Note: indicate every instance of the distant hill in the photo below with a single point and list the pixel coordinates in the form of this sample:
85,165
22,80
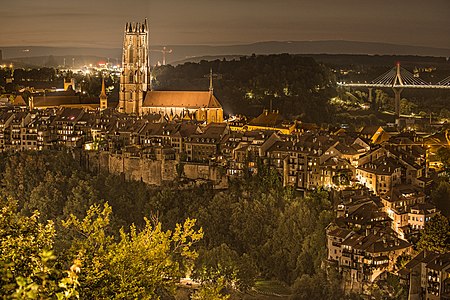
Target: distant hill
304,47
408,61
193,52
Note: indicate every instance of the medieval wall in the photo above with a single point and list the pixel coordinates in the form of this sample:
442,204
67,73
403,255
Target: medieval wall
153,172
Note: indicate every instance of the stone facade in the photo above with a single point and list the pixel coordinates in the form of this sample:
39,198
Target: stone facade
152,171
135,66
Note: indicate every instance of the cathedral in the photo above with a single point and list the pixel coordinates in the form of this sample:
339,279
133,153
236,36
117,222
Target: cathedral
136,96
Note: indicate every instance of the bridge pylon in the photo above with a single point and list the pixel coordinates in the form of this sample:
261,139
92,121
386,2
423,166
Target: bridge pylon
397,98
397,87
370,96
398,80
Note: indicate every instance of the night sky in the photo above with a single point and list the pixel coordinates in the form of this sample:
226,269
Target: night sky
99,23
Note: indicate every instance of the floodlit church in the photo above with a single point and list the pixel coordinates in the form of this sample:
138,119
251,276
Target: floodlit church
136,97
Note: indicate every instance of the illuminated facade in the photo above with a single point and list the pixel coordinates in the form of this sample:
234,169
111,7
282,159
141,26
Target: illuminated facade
135,67
137,98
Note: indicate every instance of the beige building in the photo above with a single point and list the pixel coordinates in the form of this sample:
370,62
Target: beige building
380,176
420,214
407,208
363,258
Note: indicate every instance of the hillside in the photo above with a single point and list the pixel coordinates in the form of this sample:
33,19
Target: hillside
183,52
296,86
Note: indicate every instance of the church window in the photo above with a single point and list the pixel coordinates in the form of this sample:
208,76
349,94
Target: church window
130,55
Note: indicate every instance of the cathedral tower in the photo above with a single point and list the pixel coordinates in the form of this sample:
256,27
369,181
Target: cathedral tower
135,68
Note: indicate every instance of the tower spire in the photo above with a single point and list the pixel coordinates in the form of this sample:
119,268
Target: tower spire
103,97
211,87
103,93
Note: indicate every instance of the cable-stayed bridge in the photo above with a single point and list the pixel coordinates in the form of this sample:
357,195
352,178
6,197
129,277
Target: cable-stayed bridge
398,78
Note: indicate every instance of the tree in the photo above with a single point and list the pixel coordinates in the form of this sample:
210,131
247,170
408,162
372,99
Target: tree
444,113
141,264
28,269
407,107
441,197
25,171
317,287
48,197
402,260
44,284
216,217
224,264
436,235
297,246
210,291
22,240
82,195
252,224
444,155
382,99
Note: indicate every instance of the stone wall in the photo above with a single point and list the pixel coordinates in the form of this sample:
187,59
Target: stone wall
154,172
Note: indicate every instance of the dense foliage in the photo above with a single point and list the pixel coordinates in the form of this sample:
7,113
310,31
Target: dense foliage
440,196
436,235
254,230
297,86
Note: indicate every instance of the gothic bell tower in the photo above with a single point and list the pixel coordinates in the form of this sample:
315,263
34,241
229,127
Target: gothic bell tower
135,68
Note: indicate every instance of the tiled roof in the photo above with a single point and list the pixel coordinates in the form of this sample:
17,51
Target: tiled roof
369,130
185,99
424,207
19,101
382,166
440,262
381,246
353,240
267,118
340,232
55,100
69,114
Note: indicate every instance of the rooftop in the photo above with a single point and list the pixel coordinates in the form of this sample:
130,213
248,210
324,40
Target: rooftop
185,99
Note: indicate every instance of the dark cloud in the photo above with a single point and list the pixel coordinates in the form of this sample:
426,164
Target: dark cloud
100,22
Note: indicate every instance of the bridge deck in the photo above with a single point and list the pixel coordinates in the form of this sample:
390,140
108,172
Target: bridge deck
377,85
